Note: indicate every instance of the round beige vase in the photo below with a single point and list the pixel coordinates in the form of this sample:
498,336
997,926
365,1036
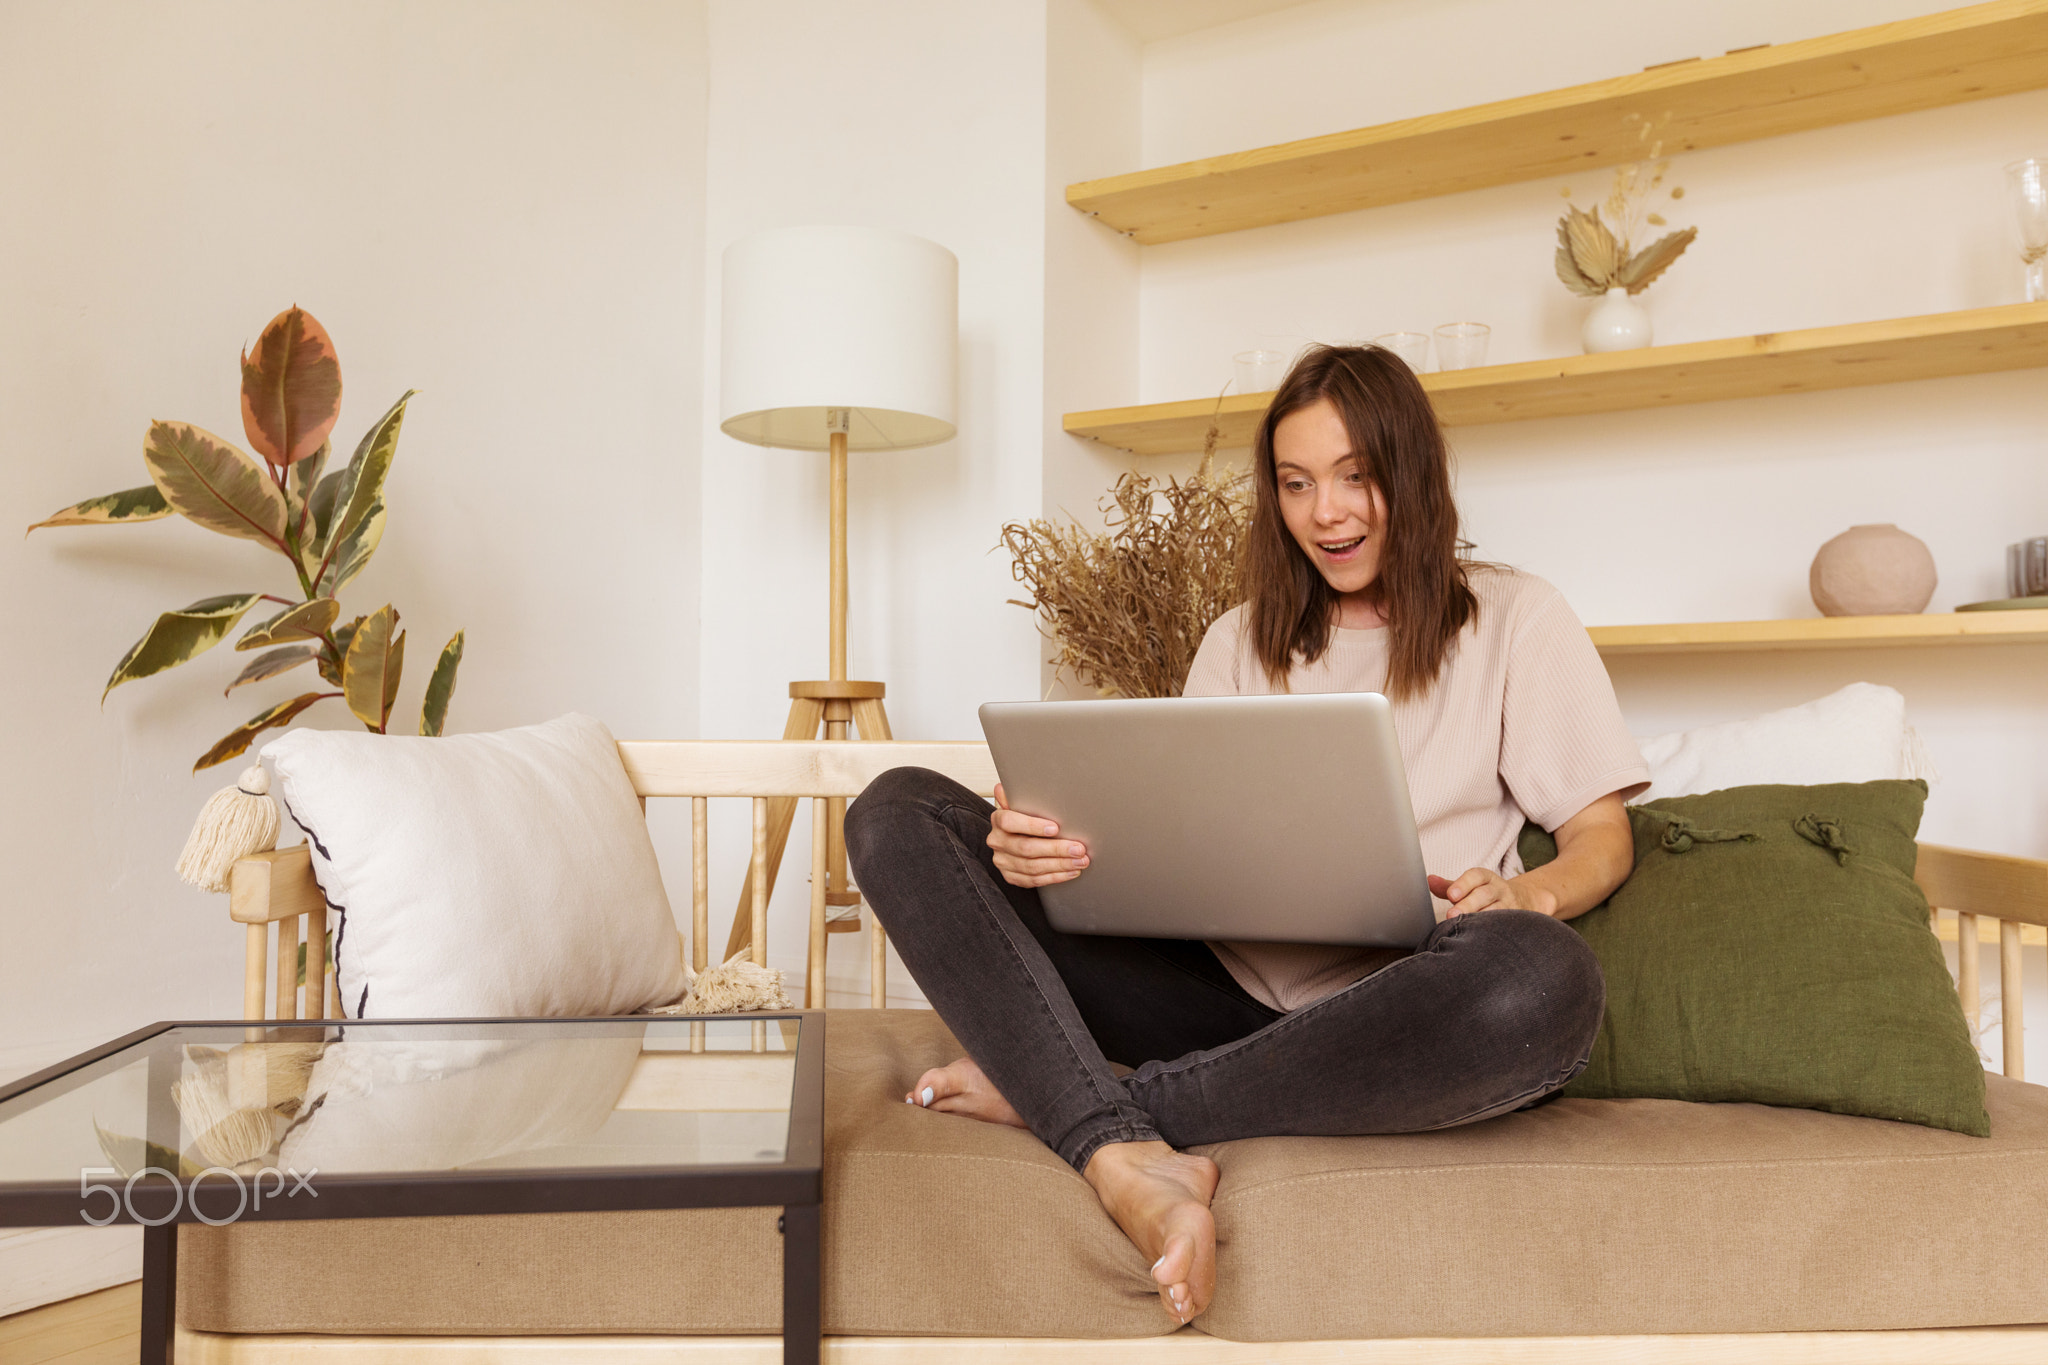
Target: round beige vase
1872,571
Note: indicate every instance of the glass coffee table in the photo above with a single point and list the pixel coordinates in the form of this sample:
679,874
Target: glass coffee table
221,1122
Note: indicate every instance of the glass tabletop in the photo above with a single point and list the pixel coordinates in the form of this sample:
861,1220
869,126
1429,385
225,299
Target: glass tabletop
395,1097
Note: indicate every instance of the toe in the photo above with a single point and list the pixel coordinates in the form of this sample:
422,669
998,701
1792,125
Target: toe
1176,1263
933,1086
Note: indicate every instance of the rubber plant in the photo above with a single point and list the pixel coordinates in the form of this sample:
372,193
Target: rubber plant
324,523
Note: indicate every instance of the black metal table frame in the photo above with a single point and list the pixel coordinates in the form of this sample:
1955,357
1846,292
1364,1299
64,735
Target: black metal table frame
796,1183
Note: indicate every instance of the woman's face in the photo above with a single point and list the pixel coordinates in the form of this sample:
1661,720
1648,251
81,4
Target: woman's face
1334,512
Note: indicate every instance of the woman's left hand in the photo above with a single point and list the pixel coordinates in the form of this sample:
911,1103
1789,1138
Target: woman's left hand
1480,889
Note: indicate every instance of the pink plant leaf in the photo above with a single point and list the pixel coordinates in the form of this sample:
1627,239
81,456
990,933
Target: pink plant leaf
291,388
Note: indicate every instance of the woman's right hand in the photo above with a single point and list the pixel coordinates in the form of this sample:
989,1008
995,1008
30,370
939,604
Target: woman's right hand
1029,851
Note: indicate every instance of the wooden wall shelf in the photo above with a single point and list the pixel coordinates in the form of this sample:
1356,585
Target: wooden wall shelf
1965,54
1979,341
1826,632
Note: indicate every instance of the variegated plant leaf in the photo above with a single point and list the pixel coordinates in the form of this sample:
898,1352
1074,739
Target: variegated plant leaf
306,621
306,473
362,485
236,742
112,509
180,636
441,688
299,486
394,665
1653,260
344,632
352,555
270,665
291,388
214,484
369,672
320,506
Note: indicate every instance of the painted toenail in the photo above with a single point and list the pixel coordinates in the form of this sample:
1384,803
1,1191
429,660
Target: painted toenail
1158,1263
927,1098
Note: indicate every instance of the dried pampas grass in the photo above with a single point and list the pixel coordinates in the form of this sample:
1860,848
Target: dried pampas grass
1126,609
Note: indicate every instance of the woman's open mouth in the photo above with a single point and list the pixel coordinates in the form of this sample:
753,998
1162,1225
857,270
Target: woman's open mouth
1338,549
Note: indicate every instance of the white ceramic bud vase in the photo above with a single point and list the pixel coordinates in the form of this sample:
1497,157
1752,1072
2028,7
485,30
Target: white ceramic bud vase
1617,323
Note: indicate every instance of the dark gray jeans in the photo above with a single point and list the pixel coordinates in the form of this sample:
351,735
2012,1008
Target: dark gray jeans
1493,1012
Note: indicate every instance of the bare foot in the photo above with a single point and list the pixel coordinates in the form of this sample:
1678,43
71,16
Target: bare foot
1160,1198
962,1089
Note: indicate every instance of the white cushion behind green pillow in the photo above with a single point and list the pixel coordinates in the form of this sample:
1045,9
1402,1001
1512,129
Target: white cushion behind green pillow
1856,734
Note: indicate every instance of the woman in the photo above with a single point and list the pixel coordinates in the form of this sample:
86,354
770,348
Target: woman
1503,712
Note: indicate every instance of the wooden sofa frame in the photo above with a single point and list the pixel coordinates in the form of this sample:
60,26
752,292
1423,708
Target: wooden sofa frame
278,888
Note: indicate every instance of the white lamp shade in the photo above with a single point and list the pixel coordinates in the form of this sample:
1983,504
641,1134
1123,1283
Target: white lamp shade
817,318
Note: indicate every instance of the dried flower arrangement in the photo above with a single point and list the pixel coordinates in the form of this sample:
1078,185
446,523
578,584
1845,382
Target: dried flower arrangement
1127,608
1593,248
325,523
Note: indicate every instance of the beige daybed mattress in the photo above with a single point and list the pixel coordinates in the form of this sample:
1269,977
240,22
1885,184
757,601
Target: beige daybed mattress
1580,1217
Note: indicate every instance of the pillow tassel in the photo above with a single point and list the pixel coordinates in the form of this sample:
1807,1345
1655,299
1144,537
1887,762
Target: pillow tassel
733,987
235,822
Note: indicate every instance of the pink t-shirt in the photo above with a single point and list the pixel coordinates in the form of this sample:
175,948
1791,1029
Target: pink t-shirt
1521,723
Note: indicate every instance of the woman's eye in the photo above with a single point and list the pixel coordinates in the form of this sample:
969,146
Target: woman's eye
1296,486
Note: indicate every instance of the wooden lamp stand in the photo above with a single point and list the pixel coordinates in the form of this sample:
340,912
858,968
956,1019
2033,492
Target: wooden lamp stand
832,704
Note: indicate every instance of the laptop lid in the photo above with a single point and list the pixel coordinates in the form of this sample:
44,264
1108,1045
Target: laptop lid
1278,819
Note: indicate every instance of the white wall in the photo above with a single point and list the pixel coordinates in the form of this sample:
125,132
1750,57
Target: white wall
1093,126
498,202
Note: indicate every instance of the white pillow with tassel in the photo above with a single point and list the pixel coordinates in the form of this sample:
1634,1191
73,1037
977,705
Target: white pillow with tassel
482,875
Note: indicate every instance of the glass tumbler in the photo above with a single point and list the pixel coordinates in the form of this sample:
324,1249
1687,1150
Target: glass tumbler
2028,180
1260,371
1461,345
1412,347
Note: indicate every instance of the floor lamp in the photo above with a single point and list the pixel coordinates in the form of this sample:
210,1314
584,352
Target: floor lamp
835,339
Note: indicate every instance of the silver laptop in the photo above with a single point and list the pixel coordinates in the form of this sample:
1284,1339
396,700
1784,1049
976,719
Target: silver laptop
1278,819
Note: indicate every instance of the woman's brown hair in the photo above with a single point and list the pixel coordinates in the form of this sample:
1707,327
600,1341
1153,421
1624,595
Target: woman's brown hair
1421,588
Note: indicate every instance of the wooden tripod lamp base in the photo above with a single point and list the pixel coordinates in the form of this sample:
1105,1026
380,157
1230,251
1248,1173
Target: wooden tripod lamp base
833,707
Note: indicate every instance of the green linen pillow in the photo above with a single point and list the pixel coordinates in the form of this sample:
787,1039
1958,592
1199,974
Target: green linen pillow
1771,946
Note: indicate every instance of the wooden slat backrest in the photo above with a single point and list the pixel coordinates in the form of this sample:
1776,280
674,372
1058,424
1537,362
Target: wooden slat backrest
784,767
2013,891
1995,884
279,886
